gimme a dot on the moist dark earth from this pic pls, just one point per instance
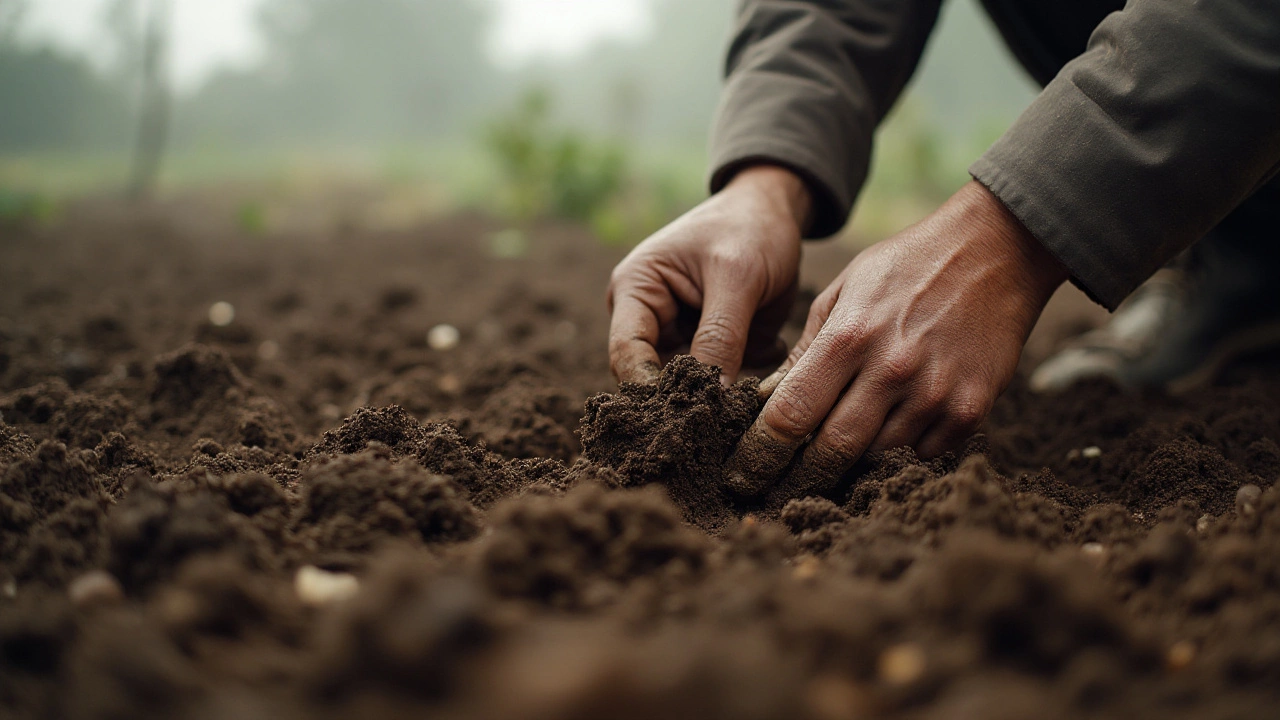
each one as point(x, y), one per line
point(512, 535)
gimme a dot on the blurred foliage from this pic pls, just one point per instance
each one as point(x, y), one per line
point(50, 99)
point(25, 208)
point(251, 217)
point(394, 94)
point(549, 170)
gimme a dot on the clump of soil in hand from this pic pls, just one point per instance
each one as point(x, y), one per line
point(677, 432)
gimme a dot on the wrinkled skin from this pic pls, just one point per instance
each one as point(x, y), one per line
point(910, 345)
point(735, 258)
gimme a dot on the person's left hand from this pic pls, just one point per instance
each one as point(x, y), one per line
point(910, 345)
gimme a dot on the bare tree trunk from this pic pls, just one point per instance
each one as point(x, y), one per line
point(154, 104)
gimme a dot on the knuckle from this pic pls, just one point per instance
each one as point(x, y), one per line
point(789, 415)
point(728, 258)
point(841, 441)
point(968, 410)
point(840, 347)
point(898, 366)
point(716, 333)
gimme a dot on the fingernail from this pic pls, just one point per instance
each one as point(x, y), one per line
point(769, 384)
point(725, 380)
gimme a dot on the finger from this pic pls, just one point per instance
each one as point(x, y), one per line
point(961, 420)
point(844, 436)
point(802, 399)
point(819, 311)
point(907, 423)
point(764, 347)
point(904, 427)
point(633, 336)
point(721, 337)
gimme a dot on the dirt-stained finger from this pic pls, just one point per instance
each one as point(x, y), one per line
point(721, 337)
point(845, 435)
point(758, 462)
point(633, 337)
point(818, 314)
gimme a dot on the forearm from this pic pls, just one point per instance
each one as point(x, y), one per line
point(807, 83)
point(1166, 123)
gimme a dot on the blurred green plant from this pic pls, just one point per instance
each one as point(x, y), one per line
point(26, 208)
point(550, 171)
point(251, 217)
point(547, 170)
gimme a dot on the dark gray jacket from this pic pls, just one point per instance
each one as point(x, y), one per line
point(1158, 117)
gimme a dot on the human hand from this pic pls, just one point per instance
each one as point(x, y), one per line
point(735, 257)
point(910, 345)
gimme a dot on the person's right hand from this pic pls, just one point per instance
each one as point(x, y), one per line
point(735, 258)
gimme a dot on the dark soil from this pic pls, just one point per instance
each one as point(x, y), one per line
point(532, 542)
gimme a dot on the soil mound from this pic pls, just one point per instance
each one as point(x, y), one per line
point(190, 528)
point(354, 502)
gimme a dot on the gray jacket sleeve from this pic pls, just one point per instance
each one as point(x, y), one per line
point(807, 82)
point(1168, 121)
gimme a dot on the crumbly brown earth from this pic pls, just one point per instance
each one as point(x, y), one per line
point(527, 547)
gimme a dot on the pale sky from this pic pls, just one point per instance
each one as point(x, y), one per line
point(208, 33)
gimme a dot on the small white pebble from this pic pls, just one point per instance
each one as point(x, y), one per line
point(10, 588)
point(1093, 548)
point(1247, 499)
point(1202, 524)
point(321, 587)
point(222, 313)
point(96, 587)
point(1093, 451)
point(268, 350)
point(1073, 454)
point(901, 664)
point(443, 337)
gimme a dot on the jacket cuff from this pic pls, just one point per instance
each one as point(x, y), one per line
point(1088, 271)
point(763, 120)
